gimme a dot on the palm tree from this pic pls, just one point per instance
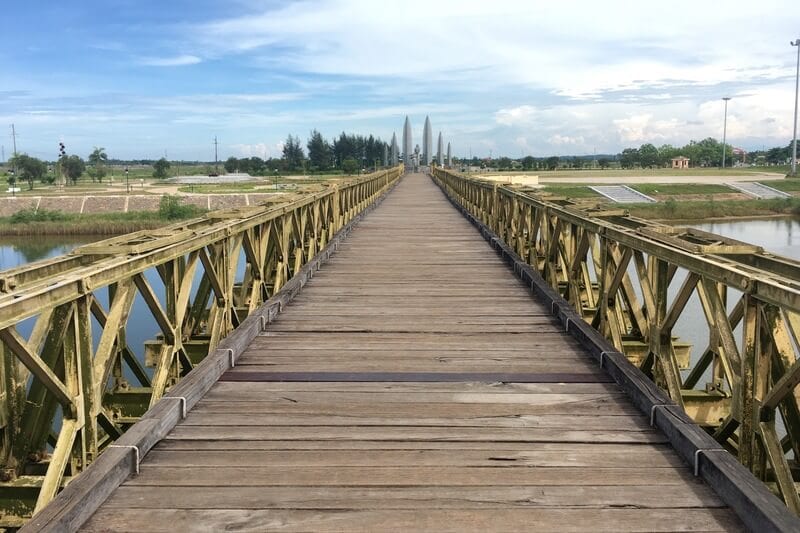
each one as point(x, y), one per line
point(98, 159)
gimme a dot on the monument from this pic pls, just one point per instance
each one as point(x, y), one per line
point(427, 143)
point(407, 143)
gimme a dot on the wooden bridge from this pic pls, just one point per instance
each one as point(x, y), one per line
point(419, 381)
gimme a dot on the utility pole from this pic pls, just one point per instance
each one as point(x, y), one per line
point(14, 170)
point(796, 86)
point(725, 129)
point(14, 139)
point(216, 159)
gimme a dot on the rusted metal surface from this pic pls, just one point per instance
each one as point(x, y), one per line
point(631, 279)
point(67, 392)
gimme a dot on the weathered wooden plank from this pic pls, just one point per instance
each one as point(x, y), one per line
point(571, 356)
point(564, 520)
point(440, 365)
point(311, 444)
point(602, 392)
point(605, 406)
point(591, 421)
point(414, 433)
point(412, 321)
point(432, 476)
point(228, 391)
point(536, 455)
point(429, 327)
point(395, 498)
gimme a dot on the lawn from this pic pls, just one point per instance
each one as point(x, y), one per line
point(570, 191)
point(677, 189)
point(598, 173)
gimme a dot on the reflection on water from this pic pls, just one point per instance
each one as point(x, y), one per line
point(777, 235)
point(18, 251)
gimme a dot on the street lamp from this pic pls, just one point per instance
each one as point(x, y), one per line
point(796, 81)
point(127, 183)
point(725, 129)
point(276, 179)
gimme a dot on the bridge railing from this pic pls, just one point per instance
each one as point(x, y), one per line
point(634, 280)
point(72, 380)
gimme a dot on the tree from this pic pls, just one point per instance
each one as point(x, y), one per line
point(778, 155)
point(629, 158)
point(160, 168)
point(604, 162)
point(97, 159)
point(504, 163)
point(665, 154)
point(28, 168)
point(349, 166)
point(319, 151)
point(231, 165)
point(293, 153)
point(255, 166)
point(73, 167)
point(648, 155)
point(528, 161)
point(552, 162)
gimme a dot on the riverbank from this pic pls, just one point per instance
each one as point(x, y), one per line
point(711, 209)
point(46, 222)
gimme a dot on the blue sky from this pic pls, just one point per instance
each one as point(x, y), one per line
point(142, 77)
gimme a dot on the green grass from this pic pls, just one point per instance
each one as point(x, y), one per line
point(570, 191)
point(43, 222)
point(787, 185)
point(677, 189)
point(222, 188)
point(591, 173)
point(703, 209)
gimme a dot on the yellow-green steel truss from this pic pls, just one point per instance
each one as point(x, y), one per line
point(632, 279)
point(67, 391)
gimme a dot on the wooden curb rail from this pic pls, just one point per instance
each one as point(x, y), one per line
point(749, 498)
point(80, 499)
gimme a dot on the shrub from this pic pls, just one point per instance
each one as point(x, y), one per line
point(171, 208)
point(27, 216)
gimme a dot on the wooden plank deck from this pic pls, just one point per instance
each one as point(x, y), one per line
point(414, 290)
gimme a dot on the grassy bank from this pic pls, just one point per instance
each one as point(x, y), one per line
point(696, 210)
point(647, 172)
point(44, 222)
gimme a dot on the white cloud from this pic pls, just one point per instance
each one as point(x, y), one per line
point(515, 116)
point(575, 50)
point(561, 140)
point(262, 150)
point(633, 128)
point(174, 61)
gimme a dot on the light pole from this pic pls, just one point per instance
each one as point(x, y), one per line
point(794, 124)
point(276, 179)
point(725, 129)
point(127, 183)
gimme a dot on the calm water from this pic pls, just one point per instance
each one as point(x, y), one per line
point(17, 251)
point(780, 236)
